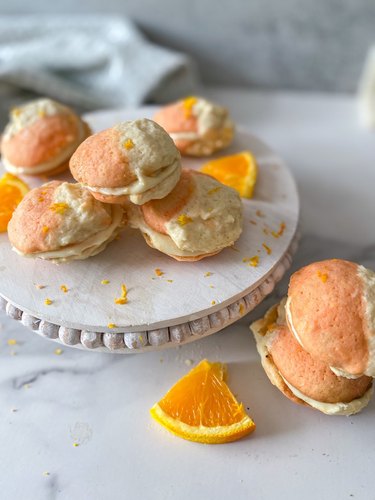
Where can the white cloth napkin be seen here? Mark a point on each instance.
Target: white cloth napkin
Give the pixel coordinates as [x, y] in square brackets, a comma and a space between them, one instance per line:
[93, 61]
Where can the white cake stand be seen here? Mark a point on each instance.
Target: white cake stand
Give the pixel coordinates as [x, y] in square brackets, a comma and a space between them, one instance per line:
[180, 303]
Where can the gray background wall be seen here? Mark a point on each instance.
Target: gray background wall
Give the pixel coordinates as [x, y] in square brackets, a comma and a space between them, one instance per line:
[306, 44]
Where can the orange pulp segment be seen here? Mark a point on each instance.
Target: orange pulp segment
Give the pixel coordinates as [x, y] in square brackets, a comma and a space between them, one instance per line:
[238, 171]
[12, 190]
[200, 407]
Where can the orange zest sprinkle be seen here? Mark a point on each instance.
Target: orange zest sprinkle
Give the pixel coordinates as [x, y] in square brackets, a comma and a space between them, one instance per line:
[188, 104]
[75, 445]
[214, 190]
[280, 231]
[48, 302]
[64, 288]
[16, 112]
[159, 272]
[252, 261]
[41, 113]
[111, 325]
[128, 144]
[170, 281]
[45, 229]
[121, 300]
[59, 208]
[323, 276]
[12, 342]
[105, 282]
[58, 351]
[213, 302]
[207, 274]
[124, 296]
[183, 219]
[267, 248]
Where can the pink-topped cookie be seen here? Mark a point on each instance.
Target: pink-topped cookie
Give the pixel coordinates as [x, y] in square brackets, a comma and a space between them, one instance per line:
[133, 161]
[41, 137]
[197, 219]
[197, 126]
[61, 222]
[331, 312]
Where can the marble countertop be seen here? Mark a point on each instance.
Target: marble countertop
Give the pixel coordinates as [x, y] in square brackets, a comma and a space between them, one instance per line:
[100, 402]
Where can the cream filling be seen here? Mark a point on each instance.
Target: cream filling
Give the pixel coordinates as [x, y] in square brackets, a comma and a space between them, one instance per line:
[145, 183]
[48, 165]
[163, 242]
[87, 248]
[290, 322]
[368, 278]
[354, 406]
[184, 136]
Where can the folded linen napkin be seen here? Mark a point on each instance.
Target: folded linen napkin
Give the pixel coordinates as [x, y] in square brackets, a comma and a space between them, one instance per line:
[93, 61]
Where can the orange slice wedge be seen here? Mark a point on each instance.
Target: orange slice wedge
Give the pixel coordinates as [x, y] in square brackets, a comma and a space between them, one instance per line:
[12, 190]
[238, 171]
[200, 407]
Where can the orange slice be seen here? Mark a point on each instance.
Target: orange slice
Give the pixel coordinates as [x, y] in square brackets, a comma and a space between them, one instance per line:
[200, 407]
[12, 190]
[238, 171]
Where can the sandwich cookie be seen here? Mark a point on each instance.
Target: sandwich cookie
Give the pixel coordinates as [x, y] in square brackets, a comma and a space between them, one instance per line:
[61, 222]
[197, 219]
[133, 161]
[331, 312]
[197, 126]
[41, 137]
[301, 377]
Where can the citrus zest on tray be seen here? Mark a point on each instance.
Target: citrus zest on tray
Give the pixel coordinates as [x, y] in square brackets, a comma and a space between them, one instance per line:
[200, 407]
[12, 190]
[238, 171]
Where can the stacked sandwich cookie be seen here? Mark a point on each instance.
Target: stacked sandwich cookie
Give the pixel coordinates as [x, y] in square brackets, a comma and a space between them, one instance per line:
[181, 213]
[317, 346]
